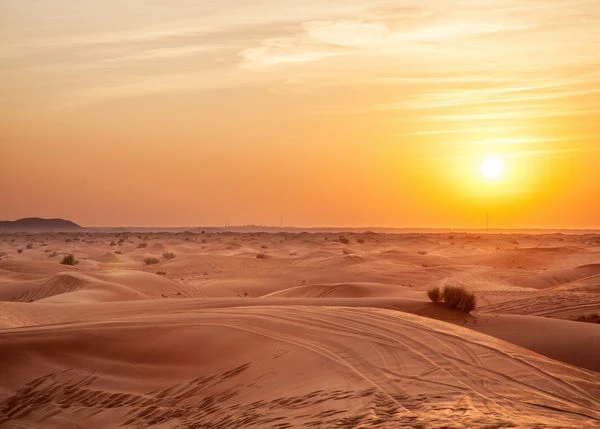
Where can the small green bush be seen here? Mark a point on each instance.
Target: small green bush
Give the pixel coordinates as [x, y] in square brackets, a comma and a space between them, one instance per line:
[69, 260]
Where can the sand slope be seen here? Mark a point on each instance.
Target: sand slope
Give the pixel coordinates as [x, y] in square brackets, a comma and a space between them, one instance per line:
[285, 366]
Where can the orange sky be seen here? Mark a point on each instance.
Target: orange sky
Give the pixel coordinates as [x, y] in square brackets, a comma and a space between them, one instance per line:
[339, 113]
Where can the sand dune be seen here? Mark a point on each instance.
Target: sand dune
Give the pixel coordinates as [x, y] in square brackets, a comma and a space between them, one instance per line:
[257, 367]
[345, 290]
[73, 286]
[325, 330]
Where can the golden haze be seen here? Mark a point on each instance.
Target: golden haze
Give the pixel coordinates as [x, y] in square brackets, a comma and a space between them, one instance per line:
[352, 113]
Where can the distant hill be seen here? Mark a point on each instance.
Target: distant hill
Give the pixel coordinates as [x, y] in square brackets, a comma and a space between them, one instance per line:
[35, 224]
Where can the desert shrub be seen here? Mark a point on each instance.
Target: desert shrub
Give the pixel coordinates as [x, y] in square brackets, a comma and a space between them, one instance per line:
[589, 318]
[142, 245]
[169, 255]
[261, 256]
[151, 261]
[468, 302]
[19, 250]
[360, 241]
[422, 252]
[434, 294]
[161, 273]
[29, 246]
[69, 260]
[458, 298]
[113, 243]
[344, 240]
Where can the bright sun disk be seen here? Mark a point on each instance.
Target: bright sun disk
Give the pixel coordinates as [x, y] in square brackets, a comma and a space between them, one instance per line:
[492, 167]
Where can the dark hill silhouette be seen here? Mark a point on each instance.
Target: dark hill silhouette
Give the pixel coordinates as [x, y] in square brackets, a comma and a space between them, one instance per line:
[39, 224]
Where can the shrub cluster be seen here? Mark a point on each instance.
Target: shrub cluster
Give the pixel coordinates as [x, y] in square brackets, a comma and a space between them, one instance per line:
[69, 260]
[589, 318]
[454, 297]
[434, 294]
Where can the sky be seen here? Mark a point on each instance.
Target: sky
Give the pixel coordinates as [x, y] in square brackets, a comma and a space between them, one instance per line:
[320, 113]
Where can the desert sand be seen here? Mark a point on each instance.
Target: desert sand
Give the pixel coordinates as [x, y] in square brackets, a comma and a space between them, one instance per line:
[231, 330]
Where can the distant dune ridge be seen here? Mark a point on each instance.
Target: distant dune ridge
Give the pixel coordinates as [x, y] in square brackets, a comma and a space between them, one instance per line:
[36, 224]
[327, 330]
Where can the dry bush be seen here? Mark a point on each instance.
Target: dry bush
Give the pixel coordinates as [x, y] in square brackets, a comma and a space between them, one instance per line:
[360, 241]
[589, 318]
[261, 256]
[142, 245]
[151, 261]
[344, 240]
[169, 255]
[69, 260]
[434, 294]
[459, 298]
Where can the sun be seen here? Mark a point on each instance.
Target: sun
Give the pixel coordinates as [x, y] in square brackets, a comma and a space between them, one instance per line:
[492, 167]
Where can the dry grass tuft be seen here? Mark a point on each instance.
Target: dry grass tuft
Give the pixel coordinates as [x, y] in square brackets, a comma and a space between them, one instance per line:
[454, 297]
[434, 294]
[588, 318]
[69, 260]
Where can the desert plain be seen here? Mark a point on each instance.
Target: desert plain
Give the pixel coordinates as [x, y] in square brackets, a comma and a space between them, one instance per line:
[282, 330]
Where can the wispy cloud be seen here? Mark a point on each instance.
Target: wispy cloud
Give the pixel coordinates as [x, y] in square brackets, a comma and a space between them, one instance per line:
[435, 57]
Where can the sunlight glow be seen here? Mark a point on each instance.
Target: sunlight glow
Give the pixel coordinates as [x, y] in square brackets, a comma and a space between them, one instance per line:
[492, 167]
